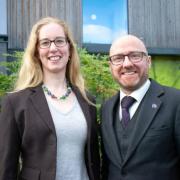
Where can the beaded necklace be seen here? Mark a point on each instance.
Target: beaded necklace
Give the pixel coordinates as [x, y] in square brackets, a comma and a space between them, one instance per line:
[63, 97]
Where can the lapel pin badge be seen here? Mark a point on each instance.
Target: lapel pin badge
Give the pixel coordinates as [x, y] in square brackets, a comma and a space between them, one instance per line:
[154, 106]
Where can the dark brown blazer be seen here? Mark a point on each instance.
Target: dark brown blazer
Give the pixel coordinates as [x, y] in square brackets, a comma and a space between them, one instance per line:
[27, 130]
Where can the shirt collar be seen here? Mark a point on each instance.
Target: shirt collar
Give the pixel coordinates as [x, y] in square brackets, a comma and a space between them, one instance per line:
[138, 94]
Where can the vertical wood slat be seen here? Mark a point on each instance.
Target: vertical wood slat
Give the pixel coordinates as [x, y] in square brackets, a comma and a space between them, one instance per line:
[156, 22]
[22, 14]
[71, 12]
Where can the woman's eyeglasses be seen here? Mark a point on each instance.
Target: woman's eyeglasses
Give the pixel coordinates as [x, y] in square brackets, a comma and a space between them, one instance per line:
[46, 43]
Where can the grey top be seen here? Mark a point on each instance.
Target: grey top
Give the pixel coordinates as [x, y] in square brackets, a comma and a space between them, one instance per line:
[71, 131]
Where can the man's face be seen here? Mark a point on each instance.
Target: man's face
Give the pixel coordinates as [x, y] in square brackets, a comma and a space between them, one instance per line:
[130, 75]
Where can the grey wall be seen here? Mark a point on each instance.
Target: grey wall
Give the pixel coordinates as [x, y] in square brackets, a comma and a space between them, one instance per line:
[22, 14]
[157, 22]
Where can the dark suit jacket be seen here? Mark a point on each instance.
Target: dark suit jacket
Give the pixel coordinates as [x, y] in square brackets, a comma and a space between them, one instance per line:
[27, 129]
[154, 150]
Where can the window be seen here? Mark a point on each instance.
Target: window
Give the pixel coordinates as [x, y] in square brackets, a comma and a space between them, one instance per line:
[103, 21]
[3, 17]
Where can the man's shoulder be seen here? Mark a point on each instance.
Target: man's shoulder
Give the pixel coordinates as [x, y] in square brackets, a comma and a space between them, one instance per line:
[111, 99]
[172, 92]
[166, 90]
[165, 87]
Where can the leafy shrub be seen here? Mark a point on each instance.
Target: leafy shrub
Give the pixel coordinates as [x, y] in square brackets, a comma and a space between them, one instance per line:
[95, 69]
[166, 70]
[11, 67]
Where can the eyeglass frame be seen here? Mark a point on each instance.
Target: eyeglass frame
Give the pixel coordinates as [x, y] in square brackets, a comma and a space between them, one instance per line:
[128, 55]
[52, 41]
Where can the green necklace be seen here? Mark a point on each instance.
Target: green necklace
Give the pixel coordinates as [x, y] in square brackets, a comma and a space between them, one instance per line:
[63, 97]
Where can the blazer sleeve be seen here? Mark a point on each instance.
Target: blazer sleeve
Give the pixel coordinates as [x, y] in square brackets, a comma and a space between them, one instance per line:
[104, 158]
[9, 142]
[177, 129]
[94, 141]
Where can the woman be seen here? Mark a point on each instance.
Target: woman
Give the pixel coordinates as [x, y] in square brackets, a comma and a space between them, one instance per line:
[49, 122]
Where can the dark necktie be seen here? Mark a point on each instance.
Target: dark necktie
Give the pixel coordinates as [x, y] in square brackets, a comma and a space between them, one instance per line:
[126, 102]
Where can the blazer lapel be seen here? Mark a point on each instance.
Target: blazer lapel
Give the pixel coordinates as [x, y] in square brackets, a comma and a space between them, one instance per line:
[109, 134]
[148, 110]
[39, 102]
[85, 109]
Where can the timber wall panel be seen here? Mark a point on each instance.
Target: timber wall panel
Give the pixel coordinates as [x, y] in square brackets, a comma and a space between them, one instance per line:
[157, 22]
[22, 14]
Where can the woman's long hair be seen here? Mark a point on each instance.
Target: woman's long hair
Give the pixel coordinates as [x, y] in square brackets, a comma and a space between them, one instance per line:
[31, 73]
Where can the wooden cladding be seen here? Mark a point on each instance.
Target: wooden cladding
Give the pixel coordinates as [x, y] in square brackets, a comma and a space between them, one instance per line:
[157, 22]
[22, 14]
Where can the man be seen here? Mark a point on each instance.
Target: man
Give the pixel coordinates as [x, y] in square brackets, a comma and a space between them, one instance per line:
[142, 142]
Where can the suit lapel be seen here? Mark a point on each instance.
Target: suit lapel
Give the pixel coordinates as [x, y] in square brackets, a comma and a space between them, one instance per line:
[109, 134]
[146, 115]
[39, 102]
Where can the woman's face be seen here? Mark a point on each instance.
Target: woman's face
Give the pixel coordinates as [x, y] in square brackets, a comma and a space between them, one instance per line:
[53, 48]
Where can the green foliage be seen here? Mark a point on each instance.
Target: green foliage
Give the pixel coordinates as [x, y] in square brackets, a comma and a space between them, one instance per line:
[8, 79]
[166, 70]
[95, 69]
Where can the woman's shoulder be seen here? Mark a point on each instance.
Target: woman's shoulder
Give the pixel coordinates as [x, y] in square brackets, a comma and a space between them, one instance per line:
[19, 93]
[80, 95]
[18, 96]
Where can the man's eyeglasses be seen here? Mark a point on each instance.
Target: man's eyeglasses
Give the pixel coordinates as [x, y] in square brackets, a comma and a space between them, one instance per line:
[46, 43]
[134, 57]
